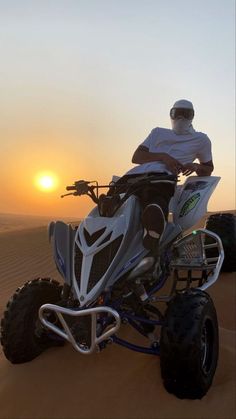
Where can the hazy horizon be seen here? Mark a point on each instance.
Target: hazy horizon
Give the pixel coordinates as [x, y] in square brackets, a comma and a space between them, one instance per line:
[48, 216]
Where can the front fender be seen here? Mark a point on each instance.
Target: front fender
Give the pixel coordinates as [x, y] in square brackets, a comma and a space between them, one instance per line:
[62, 236]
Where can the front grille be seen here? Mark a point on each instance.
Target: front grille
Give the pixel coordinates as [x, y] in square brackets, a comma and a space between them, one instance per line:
[101, 262]
[92, 238]
[107, 238]
[78, 258]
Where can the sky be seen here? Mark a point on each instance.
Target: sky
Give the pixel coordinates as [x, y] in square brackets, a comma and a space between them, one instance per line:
[83, 82]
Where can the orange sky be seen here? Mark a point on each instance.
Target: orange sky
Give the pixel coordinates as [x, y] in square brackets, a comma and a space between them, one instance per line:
[82, 87]
[19, 168]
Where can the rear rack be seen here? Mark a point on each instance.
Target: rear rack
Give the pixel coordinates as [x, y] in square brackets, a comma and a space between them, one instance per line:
[199, 255]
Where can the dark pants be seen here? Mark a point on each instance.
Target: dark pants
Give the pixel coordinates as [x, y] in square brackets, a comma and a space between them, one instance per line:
[159, 193]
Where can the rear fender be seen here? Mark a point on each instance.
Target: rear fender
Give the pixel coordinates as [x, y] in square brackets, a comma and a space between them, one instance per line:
[62, 236]
[190, 203]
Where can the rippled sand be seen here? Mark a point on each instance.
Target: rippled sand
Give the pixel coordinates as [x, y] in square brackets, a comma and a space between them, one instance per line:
[117, 383]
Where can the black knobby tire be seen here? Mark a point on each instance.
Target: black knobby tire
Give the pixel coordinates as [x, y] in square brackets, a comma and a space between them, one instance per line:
[224, 225]
[22, 335]
[189, 345]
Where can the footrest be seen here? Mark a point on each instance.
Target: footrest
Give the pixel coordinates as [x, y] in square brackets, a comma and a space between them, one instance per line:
[200, 250]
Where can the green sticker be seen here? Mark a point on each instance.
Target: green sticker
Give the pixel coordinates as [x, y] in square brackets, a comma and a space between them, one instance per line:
[190, 204]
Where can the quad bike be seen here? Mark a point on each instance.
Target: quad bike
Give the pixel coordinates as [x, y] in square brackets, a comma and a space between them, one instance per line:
[111, 279]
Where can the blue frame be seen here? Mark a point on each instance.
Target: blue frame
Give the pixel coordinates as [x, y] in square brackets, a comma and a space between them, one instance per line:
[136, 348]
[132, 321]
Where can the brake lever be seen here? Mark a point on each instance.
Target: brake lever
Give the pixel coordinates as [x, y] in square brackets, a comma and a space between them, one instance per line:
[67, 194]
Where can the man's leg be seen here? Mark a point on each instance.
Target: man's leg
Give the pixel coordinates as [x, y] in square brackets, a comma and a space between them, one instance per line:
[153, 220]
[155, 203]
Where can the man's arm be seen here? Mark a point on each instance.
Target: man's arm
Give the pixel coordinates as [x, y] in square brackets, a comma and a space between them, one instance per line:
[205, 169]
[201, 169]
[143, 155]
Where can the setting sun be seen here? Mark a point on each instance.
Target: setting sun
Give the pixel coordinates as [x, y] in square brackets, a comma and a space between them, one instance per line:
[46, 182]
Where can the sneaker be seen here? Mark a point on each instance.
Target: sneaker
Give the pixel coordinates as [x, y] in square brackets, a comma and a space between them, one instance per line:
[154, 223]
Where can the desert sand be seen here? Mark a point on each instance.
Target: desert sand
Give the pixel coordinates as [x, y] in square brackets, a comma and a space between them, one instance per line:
[116, 383]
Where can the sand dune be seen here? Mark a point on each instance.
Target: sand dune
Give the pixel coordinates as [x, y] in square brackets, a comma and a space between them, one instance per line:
[116, 383]
[16, 222]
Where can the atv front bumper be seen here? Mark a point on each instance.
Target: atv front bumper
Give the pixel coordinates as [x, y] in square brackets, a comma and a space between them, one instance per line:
[62, 326]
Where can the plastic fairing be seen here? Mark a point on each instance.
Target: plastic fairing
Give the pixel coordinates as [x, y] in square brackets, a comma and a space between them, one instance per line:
[190, 202]
[63, 239]
[124, 225]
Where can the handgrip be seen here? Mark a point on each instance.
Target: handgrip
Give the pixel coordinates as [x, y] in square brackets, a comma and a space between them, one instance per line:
[71, 188]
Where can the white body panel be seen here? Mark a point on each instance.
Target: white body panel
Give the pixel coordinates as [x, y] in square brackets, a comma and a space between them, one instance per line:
[124, 226]
[190, 201]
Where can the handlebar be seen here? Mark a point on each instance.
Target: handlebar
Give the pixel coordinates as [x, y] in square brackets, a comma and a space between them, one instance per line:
[84, 187]
[71, 188]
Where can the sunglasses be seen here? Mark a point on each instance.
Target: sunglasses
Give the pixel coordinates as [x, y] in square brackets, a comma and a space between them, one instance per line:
[181, 112]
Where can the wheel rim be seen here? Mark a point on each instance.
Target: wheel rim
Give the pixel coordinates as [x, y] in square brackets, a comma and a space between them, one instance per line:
[207, 340]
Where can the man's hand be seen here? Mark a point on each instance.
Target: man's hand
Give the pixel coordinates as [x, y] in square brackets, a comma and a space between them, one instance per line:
[189, 168]
[202, 169]
[172, 164]
[143, 155]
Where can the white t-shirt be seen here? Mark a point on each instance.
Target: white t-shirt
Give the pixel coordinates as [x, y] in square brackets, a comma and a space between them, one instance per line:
[184, 148]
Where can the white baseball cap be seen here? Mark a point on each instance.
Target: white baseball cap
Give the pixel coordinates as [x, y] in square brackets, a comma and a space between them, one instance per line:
[182, 109]
[183, 104]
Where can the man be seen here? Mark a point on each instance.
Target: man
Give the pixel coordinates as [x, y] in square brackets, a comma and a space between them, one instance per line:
[169, 152]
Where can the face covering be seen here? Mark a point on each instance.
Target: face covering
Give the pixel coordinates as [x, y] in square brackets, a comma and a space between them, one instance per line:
[182, 126]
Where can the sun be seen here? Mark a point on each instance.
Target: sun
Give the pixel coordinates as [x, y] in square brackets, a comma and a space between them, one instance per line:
[46, 181]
